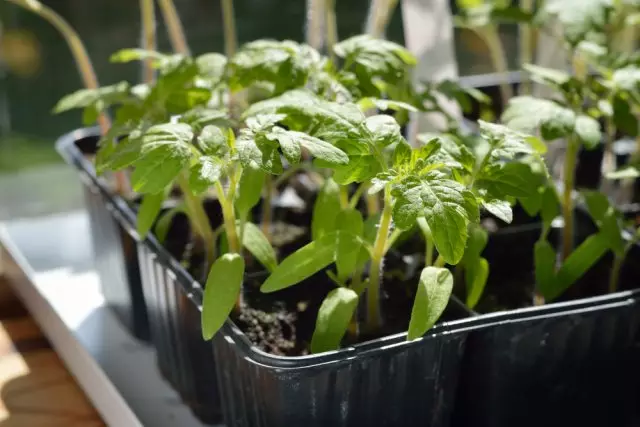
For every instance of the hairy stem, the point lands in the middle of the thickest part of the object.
(614, 275)
(174, 27)
(229, 23)
(373, 290)
(373, 204)
(573, 144)
(198, 218)
(498, 56)
(147, 13)
(526, 45)
(229, 215)
(267, 211)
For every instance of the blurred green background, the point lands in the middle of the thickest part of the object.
(37, 68)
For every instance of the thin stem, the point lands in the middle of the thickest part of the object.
(526, 45)
(353, 202)
(379, 17)
(199, 218)
(344, 197)
(267, 210)
(614, 276)
(85, 67)
(174, 27)
(498, 56)
(428, 259)
(331, 26)
(373, 204)
(573, 144)
(373, 290)
(608, 157)
(229, 23)
(229, 218)
(439, 262)
(147, 13)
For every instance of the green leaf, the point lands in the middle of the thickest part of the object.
(257, 243)
(447, 206)
(547, 76)
(249, 190)
(333, 319)
(627, 79)
(434, 290)
(526, 114)
(350, 226)
(164, 222)
(213, 141)
(302, 264)
(579, 262)
(133, 54)
(545, 269)
(204, 173)
(116, 156)
(580, 17)
(325, 210)
(211, 66)
(99, 99)
(628, 172)
(476, 267)
(588, 130)
(367, 104)
(264, 156)
(597, 204)
(550, 206)
(359, 169)
(221, 292)
(317, 147)
(476, 276)
(164, 153)
(384, 130)
(624, 117)
(606, 218)
(507, 143)
(148, 212)
(512, 179)
(201, 117)
(500, 208)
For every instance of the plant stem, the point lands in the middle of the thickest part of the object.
(148, 18)
(573, 144)
(428, 260)
(614, 276)
(174, 27)
(267, 210)
(229, 23)
(439, 262)
(331, 26)
(379, 247)
(608, 157)
(373, 204)
(79, 52)
(229, 218)
(526, 45)
(491, 37)
(379, 16)
(344, 197)
(198, 218)
(353, 202)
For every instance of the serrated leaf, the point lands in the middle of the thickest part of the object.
(257, 243)
(447, 206)
(434, 290)
(579, 17)
(263, 156)
(325, 210)
(507, 143)
(211, 66)
(148, 212)
(511, 179)
(588, 130)
(200, 118)
(213, 141)
(204, 173)
(302, 264)
(99, 99)
(164, 153)
(333, 319)
(401, 154)
(499, 208)
(359, 169)
(249, 190)
(116, 156)
(350, 226)
(384, 130)
(318, 148)
(527, 114)
(221, 292)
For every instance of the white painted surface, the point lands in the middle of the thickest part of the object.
(62, 290)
